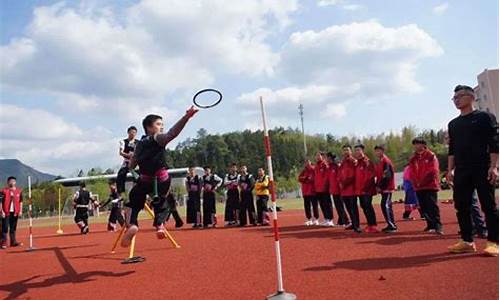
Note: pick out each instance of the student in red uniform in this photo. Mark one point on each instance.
(10, 210)
(365, 186)
(346, 178)
(384, 173)
(322, 190)
(306, 179)
(333, 169)
(424, 176)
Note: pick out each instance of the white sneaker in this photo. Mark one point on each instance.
(315, 222)
(324, 223)
(308, 222)
(330, 223)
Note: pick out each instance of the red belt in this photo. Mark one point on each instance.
(162, 176)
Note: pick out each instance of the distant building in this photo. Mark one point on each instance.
(487, 91)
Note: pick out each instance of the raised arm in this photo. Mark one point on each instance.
(164, 138)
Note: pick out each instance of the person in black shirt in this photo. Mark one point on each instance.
(193, 208)
(247, 205)
(473, 165)
(115, 215)
(127, 147)
(81, 201)
(211, 182)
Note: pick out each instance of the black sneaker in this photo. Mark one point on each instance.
(482, 235)
(350, 227)
(357, 230)
(439, 231)
(85, 229)
(16, 244)
(390, 229)
(179, 224)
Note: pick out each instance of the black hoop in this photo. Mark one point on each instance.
(204, 91)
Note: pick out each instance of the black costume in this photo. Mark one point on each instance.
(127, 147)
(82, 201)
(232, 209)
(193, 207)
(247, 205)
(210, 184)
(115, 215)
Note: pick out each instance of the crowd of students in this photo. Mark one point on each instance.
(339, 184)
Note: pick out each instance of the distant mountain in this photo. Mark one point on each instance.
(13, 167)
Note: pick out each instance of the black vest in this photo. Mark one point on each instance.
(150, 156)
(210, 180)
(129, 145)
(193, 184)
(83, 197)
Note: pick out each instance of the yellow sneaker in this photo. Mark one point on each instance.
(463, 247)
(491, 249)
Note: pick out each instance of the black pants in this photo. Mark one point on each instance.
(82, 215)
(386, 206)
(262, 215)
(137, 198)
(209, 214)
(232, 209)
(351, 205)
(366, 204)
(121, 177)
(115, 215)
(477, 219)
(193, 208)
(9, 225)
(172, 207)
(247, 207)
(325, 202)
(311, 202)
(339, 206)
(428, 201)
(465, 181)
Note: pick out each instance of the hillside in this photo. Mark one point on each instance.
(14, 167)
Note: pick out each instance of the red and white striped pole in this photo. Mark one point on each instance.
(30, 213)
(280, 294)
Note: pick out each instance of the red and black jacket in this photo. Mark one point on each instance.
(321, 178)
(332, 177)
(17, 197)
(306, 179)
(384, 171)
(365, 177)
(424, 171)
(346, 176)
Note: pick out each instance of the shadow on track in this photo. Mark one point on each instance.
(384, 263)
(18, 288)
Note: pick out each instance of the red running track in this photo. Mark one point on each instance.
(236, 263)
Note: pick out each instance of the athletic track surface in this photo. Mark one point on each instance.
(239, 263)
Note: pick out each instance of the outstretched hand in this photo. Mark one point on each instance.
(191, 111)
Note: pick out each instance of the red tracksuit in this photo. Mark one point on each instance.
(346, 177)
(384, 172)
(424, 176)
(9, 222)
(365, 188)
(335, 192)
(306, 179)
(321, 187)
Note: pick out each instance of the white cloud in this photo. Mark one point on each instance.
(440, 9)
(360, 62)
(50, 144)
(352, 7)
(329, 2)
(97, 58)
(340, 3)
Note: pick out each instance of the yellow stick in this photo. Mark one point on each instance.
(165, 232)
(59, 230)
(132, 248)
(118, 238)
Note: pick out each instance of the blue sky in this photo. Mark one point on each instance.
(77, 73)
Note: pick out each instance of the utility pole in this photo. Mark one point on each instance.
(301, 113)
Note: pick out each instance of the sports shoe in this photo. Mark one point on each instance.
(357, 230)
(349, 227)
(179, 224)
(330, 223)
(85, 229)
(308, 222)
(160, 232)
(390, 229)
(463, 247)
(439, 231)
(371, 229)
(409, 219)
(3, 245)
(16, 244)
(129, 235)
(491, 249)
(482, 235)
(315, 222)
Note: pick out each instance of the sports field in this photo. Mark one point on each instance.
(238, 263)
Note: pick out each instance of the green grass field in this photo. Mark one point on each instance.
(285, 204)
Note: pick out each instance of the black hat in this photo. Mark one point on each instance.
(463, 88)
(418, 140)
